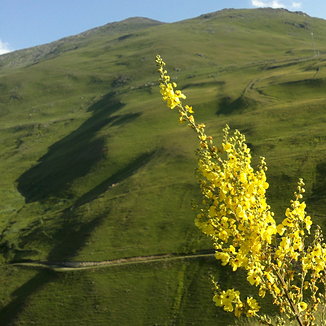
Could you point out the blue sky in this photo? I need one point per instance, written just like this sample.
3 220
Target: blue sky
26 23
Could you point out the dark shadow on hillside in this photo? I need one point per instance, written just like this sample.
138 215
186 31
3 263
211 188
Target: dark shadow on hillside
69 239
113 180
72 237
73 233
74 155
9 313
313 82
204 84
228 106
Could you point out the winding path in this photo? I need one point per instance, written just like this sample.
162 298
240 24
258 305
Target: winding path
66 266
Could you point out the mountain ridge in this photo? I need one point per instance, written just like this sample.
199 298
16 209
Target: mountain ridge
23 57
33 55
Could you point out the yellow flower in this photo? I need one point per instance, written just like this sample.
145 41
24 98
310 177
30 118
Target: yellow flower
243 177
281 229
269 277
223 256
308 223
302 306
262 292
253 307
238 309
227 299
276 289
189 109
223 235
253 277
227 147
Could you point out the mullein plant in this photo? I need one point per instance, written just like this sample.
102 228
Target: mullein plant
278 258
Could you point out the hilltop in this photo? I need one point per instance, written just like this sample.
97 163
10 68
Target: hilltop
30 56
95 168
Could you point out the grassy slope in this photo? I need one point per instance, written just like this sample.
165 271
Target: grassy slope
94 168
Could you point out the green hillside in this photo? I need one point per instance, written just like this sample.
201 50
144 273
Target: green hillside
94 167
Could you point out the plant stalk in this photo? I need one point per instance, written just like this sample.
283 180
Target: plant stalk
293 306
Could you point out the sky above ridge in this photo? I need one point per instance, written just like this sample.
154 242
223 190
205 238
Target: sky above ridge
27 23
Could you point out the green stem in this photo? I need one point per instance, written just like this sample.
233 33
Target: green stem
292 305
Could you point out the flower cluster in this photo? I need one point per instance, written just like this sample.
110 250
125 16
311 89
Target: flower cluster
169 94
315 260
230 301
234 213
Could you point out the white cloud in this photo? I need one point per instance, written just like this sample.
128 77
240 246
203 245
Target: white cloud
272 4
277 4
257 3
4 47
296 5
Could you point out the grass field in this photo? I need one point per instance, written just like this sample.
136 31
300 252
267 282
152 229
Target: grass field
94 167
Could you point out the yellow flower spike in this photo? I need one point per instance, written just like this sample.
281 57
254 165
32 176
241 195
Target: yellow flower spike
235 214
